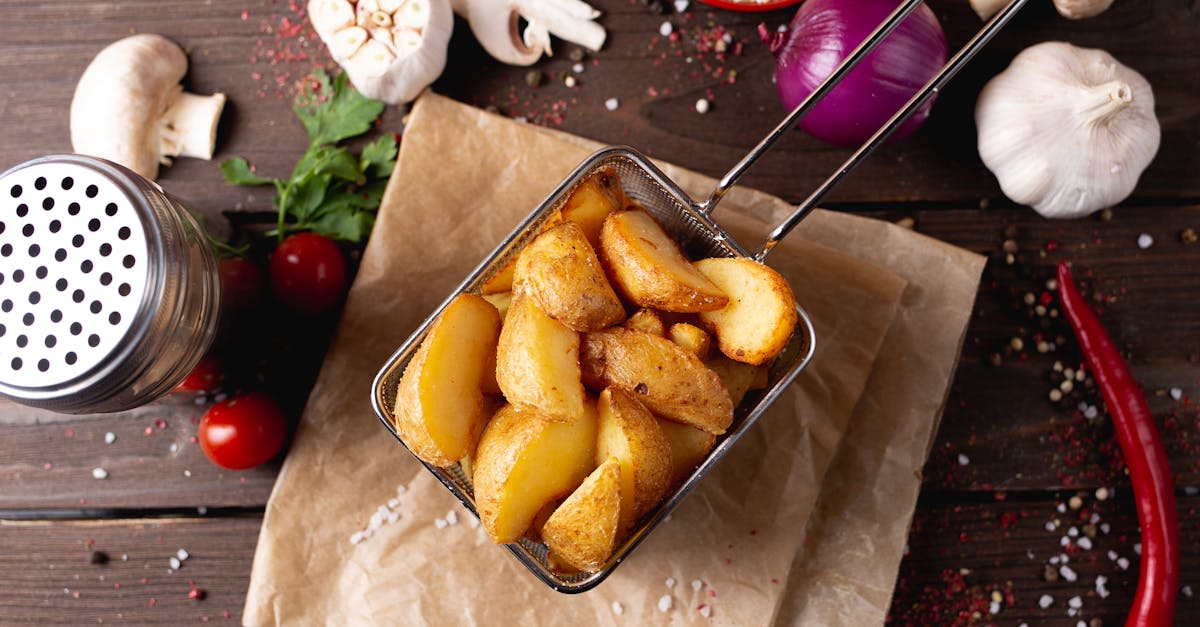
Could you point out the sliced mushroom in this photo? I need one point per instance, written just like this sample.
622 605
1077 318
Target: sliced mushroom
390 49
129 107
496 24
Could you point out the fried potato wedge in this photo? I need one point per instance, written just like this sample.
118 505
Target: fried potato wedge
582 532
689 446
630 433
590 203
757 323
648 269
646 321
692 338
667 378
560 272
501 301
439 403
524 461
537 362
739 378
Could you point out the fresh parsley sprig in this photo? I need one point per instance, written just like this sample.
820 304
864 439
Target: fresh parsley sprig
330 191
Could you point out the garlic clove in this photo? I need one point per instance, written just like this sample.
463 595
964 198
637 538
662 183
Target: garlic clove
1080 9
344 43
405 41
390 6
414 14
330 16
371 61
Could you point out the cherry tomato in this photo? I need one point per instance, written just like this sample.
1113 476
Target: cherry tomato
308 273
242 283
243 432
205 376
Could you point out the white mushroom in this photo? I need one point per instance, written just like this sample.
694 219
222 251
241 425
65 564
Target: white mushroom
495 24
129 107
390 49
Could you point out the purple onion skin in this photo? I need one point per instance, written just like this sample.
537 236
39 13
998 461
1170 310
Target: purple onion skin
824 32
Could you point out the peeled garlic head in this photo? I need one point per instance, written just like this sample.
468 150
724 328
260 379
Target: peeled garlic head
1066 130
390 49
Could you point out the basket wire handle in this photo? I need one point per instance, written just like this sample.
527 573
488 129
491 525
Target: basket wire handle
878 35
934 85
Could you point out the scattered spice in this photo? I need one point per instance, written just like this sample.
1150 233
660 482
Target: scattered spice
665 602
1145 241
99 558
702 106
1188 236
99 473
197 594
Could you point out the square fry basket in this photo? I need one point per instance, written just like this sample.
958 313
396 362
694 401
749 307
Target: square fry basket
689 223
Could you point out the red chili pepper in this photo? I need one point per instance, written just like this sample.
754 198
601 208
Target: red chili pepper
1153 486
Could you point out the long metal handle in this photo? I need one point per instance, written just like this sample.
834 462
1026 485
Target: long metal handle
932 87
878 35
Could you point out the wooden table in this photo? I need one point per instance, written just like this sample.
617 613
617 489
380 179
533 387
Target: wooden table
1007 464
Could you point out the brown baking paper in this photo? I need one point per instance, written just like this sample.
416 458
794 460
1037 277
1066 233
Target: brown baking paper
464 179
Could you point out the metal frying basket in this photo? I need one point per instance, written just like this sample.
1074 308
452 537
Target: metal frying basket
689 223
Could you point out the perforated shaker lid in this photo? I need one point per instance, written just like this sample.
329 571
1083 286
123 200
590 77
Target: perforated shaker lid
74 272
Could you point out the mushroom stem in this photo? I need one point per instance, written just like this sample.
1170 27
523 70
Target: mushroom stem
189 126
570 20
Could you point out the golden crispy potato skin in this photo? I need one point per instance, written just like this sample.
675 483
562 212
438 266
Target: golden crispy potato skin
592 201
646 321
439 403
648 269
668 379
739 377
692 338
630 433
689 446
758 321
524 461
537 362
561 273
582 532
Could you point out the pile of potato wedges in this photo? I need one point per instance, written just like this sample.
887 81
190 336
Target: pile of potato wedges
591 375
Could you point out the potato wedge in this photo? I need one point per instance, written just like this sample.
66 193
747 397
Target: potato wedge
646 321
758 321
739 378
630 433
502 281
560 272
592 201
692 338
648 269
689 446
439 402
524 461
501 301
667 378
537 362
582 532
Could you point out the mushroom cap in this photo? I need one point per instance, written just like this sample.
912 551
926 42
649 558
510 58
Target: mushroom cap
120 97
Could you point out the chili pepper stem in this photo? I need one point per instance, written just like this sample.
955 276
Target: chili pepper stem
1153 485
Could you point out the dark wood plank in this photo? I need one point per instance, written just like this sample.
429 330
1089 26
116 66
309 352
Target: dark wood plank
960 554
52 579
256 58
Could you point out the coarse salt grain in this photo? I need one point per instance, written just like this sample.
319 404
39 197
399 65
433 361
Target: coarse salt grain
696 585
1112 555
664 603
681 6
1045 601
1073 532
1067 573
611 104
110 437
665 29
451 517
99 473
174 562
963 460
182 554
617 608
993 608
670 582
1122 563
1075 602
1064 541
702 106
1145 241
577 68
1137 548
705 611
1105 528
393 503
1176 393
439 523
357 537
1051 525
1187 591
1100 588
473 522
1054 561
1084 543
1062 508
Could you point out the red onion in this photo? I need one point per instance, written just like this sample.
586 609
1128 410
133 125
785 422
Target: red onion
826 31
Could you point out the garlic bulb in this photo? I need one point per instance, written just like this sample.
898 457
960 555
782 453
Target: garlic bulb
390 49
1066 130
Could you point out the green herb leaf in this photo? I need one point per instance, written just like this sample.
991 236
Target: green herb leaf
379 156
331 112
237 171
306 197
337 162
351 226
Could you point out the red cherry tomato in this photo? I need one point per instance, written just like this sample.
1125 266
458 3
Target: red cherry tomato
308 273
242 283
202 378
243 432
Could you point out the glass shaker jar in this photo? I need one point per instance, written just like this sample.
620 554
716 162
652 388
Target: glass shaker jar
109 292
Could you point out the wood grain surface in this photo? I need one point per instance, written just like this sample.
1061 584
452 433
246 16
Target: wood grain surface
1006 459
